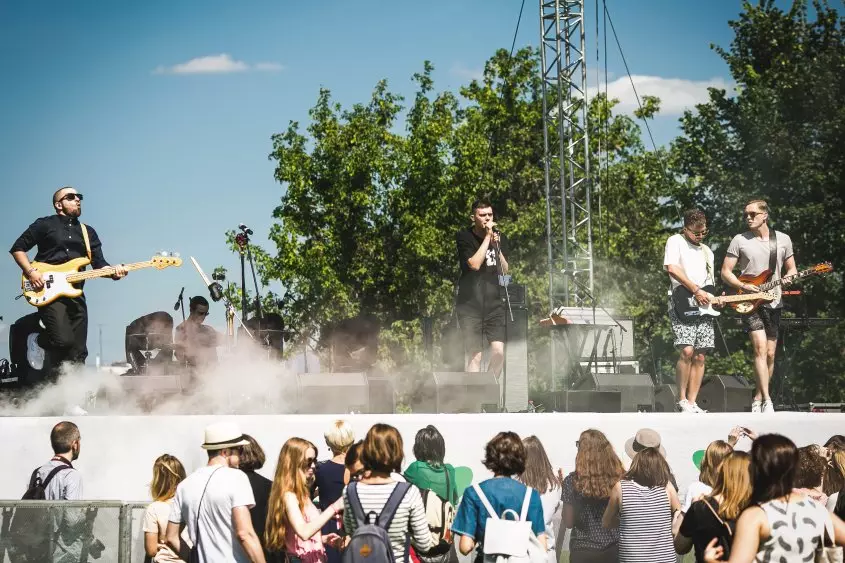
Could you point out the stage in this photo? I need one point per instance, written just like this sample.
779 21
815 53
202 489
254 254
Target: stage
118 451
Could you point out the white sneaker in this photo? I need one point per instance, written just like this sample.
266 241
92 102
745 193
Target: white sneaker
757 406
768 406
685 406
695 408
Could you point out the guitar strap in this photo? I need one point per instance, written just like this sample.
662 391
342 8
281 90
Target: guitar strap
773 253
85 238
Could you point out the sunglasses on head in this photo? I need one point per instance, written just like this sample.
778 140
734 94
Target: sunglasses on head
752 214
71 197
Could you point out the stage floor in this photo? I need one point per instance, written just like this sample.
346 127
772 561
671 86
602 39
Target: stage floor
118 451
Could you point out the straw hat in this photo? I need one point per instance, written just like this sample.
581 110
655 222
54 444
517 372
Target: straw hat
222 435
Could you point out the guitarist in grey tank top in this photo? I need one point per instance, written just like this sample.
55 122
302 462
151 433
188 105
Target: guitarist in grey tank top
759 249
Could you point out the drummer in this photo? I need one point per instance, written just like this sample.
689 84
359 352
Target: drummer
196 342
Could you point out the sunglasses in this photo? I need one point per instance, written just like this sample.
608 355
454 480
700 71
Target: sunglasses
308 462
203 314
752 214
71 197
577 443
701 233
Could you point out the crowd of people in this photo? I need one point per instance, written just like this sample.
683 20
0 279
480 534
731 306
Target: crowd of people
775 502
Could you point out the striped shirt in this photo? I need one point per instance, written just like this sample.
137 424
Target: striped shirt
409 517
645 525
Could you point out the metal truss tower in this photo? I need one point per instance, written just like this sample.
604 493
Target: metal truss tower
566 158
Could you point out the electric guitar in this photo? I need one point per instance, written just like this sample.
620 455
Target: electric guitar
59 279
686 305
764 283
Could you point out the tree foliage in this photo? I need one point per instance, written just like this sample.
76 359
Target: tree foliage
373 194
780 138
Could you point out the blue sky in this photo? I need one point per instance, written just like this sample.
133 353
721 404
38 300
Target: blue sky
97 95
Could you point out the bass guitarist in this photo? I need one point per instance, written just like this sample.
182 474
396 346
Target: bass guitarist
59 238
758 250
689 263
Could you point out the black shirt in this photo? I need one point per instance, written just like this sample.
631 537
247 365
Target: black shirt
479 288
261 486
701 526
59 239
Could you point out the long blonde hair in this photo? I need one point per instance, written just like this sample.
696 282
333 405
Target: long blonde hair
713 457
167 474
289 478
733 484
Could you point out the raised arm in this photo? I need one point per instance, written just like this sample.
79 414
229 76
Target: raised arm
306 530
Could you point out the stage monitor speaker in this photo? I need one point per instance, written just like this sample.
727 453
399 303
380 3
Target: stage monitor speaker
637 389
455 392
665 397
515 370
25 354
725 393
593 401
382 395
331 393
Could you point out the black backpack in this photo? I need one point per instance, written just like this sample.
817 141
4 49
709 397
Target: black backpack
31 532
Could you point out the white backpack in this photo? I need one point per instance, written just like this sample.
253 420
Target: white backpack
511 541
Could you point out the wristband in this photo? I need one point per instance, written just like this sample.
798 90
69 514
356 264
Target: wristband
32 269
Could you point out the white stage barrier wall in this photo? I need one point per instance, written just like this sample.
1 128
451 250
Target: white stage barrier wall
118 452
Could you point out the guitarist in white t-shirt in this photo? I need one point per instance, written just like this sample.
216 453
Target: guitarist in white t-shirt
689 264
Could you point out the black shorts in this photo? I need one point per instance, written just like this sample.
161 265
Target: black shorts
763 318
478 325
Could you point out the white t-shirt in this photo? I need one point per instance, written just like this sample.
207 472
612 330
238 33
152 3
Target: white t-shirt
696 260
229 488
551 511
695 490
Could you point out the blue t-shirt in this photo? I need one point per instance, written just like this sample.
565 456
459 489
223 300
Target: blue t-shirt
503 493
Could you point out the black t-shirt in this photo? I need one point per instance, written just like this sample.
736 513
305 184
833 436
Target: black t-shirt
479 288
701 526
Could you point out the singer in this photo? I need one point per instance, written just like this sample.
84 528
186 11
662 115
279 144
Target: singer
481 301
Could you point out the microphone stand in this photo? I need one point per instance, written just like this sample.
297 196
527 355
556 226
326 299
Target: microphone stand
500 271
180 301
242 240
595 303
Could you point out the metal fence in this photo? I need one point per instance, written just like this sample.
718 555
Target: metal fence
71 531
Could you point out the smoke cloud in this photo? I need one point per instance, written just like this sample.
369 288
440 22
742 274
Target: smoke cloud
246 380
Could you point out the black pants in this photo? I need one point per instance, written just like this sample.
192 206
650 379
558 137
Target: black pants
66 330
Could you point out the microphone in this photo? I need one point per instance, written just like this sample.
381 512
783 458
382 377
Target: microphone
245 229
179 300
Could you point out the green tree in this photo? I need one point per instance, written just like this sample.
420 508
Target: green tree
780 137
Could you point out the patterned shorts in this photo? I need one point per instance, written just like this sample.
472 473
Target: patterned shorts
697 333
763 318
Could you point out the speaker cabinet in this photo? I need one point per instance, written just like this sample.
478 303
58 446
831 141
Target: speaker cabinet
593 401
382 394
331 393
25 354
725 393
515 372
665 397
637 389
456 392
